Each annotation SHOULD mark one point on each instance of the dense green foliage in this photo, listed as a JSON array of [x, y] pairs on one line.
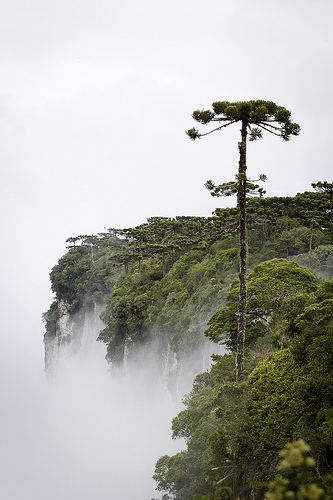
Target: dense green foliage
[[267, 286], [174, 308], [157, 251], [297, 477], [167, 278], [284, 226], [287, 396], [84, 276], [183, 266]]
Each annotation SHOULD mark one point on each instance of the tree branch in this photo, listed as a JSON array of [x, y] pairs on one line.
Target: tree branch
[[219, 128], [272, 126], [270, 131]]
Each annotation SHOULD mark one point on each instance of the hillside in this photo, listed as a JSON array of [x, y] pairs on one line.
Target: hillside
[[234, 431], [171, 284]]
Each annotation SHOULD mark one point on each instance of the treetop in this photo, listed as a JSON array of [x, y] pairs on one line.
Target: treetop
[[265, 114]]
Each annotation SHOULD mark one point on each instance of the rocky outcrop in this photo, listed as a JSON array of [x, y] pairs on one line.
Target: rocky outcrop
[[75, 334]]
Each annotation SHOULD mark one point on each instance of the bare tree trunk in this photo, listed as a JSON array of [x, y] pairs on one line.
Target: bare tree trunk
[[311, 234], [242, 253], [141, 254], [163, 265]]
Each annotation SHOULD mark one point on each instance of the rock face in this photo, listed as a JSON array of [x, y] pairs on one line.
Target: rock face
[[75, 334]]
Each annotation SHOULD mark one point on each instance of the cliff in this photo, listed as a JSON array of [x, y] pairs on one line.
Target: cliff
[[156, 286], [75, 334]]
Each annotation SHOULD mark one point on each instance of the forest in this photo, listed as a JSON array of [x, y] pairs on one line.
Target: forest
[[176, 280]]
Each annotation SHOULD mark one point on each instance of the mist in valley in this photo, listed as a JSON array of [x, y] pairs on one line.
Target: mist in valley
[[84, 434]]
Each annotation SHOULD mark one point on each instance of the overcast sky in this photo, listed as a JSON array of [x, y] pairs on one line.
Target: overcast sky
[[95, 98]]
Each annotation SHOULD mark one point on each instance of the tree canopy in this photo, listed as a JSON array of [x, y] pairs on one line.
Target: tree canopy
[[234, 431], [179, 272], [264, 115]]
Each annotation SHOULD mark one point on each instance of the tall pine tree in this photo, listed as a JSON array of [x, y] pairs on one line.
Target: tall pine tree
[[254, 117]]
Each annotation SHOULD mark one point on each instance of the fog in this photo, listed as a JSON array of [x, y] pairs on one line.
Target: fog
[[82, 433]]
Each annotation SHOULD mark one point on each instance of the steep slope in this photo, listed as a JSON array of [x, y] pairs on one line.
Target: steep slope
[[234, 431], [175, 275]]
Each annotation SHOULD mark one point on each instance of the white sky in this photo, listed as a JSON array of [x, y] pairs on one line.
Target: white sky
[[95, 98]]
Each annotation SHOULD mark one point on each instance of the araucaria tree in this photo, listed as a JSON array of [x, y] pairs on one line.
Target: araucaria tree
[[254, 117]]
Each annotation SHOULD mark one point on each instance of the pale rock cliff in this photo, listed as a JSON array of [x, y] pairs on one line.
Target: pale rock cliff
[[75, 334]]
